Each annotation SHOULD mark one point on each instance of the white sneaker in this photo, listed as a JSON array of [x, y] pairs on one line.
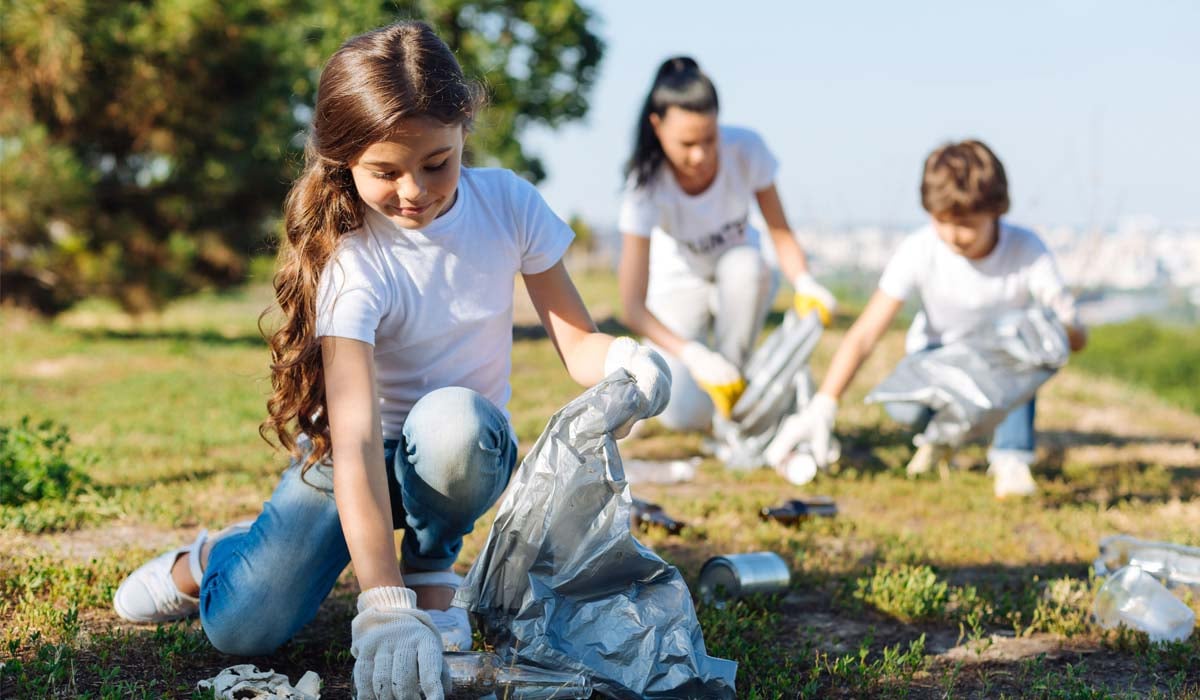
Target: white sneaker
[[926, 457], [149, 594], [1012, 478], [454, 624]]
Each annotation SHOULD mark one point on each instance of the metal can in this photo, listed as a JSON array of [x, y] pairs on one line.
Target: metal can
[[737, 575]]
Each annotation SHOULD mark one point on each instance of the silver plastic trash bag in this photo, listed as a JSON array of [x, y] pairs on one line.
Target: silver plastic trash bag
[[777, 384], [972, 384], [562, 584]]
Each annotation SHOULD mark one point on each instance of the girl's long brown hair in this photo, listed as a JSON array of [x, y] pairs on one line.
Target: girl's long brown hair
[[368, 86]]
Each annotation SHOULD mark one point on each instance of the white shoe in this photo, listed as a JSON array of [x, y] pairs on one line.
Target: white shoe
[[454, 624], [1012, 478], [926, 457], [149, 594]]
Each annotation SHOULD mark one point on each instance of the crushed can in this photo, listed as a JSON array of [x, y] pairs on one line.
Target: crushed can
[[733, 576]]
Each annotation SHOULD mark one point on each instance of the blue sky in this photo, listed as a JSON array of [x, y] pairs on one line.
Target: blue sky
[[1093, 107]]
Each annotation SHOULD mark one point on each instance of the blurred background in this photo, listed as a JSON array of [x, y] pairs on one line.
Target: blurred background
[[145, 147]]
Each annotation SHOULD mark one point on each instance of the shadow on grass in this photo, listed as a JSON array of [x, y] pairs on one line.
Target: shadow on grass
[[1061, 439], [535, 331], [207, 337]]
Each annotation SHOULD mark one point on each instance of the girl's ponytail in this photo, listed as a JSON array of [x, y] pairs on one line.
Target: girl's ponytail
[[321, 204], [679, 82]]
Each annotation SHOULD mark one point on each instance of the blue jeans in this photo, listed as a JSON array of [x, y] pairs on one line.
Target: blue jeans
[[451, 465], [1013, 437]]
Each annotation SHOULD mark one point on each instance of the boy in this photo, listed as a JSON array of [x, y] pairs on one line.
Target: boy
[[965, 267]]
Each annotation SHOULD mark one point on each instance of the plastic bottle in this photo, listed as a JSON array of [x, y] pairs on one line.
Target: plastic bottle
[[1137, 600], [645, 515], [793, 511], [1173, 564], [469, 675]]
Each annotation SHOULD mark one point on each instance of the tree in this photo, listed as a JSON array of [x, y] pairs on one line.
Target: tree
[[145, 147]]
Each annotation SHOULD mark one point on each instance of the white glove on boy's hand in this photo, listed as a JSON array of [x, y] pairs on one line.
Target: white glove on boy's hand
[[813, 425], [810, 295], [649, 371], [397, 647], [715, 375]]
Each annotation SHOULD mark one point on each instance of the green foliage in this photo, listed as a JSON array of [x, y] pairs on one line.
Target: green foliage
[[34, 464], [908, 593], [1164, 359], [145, 148]]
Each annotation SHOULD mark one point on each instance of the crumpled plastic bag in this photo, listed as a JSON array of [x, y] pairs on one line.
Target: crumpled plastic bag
[[246, 682], [562, 584], [778, 384], [972, 384]]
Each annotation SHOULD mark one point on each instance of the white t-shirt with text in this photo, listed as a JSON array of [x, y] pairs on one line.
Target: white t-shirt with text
[[957, 293], [437, 303], [688, 233]]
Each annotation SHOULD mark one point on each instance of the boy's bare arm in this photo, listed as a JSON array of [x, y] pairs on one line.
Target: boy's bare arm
[[860, 340]]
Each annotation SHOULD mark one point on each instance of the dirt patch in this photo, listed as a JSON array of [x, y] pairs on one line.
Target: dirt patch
[[55, 367]]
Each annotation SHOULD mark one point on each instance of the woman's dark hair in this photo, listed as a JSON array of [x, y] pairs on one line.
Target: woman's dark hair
[[679, 82]]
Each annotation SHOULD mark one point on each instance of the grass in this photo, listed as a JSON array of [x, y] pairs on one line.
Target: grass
[[1164, 359], [920, 589]]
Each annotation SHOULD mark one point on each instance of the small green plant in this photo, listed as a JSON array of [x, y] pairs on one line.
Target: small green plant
[[34, 464], [908, 593]]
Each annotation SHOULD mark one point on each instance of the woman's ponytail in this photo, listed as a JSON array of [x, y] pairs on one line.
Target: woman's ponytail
[[679, 82]]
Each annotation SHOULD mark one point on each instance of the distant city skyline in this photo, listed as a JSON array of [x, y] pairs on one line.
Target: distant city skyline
[[1092, 107]]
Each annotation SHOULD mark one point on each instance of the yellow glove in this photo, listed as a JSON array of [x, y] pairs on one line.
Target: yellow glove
[[715, 375], [811, 296]]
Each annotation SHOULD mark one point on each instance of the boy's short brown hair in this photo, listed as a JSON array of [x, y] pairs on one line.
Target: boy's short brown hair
[[962, 179]]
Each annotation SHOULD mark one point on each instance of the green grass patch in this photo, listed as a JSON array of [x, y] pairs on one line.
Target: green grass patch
[[1164, 359]]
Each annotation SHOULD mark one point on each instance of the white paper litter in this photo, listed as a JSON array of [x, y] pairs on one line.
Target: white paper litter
[[246, 682]]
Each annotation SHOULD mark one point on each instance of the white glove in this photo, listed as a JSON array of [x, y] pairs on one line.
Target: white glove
[[810, 295], [715, 375], [649, 371], [397, 647], [813, 425]]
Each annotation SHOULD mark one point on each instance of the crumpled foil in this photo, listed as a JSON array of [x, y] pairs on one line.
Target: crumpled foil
[[246, 682], [972, 384], [561, 583], [778, 384]]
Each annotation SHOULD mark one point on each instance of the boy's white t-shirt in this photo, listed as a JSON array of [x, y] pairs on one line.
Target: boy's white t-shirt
[[437, 303], [957, 293], [688, 233]]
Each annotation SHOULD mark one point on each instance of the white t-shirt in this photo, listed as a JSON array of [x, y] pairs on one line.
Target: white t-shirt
[[957, 293], [437, 303], [688, 233]]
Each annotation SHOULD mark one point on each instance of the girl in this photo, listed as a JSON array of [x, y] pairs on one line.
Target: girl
[[690, 264], [390, 373]]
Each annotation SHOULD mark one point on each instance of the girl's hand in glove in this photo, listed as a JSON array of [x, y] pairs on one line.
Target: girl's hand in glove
[[715, 375], [813, 425], [649, 371], [397, 648], [811, 295]]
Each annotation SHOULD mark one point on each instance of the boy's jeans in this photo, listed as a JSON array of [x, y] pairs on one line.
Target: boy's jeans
[[452, 463], [1014, 437], [733, 305]]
